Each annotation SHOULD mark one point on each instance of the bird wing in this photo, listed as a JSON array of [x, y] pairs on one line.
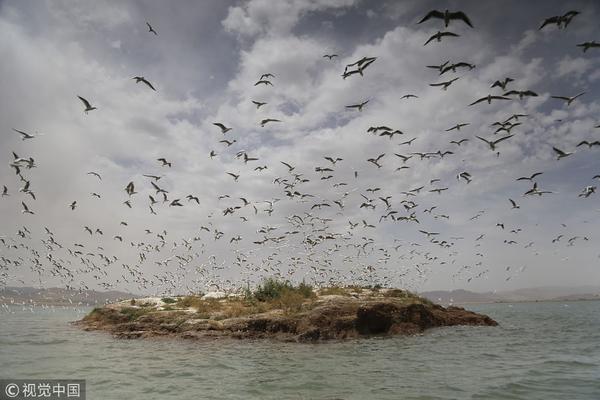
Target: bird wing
[[462, 16], [560, 97], [149, 84], [448, 34], [551, 20], [559, 151], [432, 14], [478, 101], [502, 138], [85, 102], [485, 140]]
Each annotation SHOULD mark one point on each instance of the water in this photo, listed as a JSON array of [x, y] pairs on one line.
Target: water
[[539, 351]]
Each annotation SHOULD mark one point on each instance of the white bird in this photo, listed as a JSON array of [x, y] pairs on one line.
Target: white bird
[[26, 209], [569, 100], [88, 106], [560, 153], [25, 135]]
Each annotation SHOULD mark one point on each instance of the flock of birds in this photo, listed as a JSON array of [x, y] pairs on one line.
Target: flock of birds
[[311, 243]]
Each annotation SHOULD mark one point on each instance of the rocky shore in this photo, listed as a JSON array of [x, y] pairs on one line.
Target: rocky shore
[[346, 314]]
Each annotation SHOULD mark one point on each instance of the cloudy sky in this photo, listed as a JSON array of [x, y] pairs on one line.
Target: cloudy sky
[[204, 63]]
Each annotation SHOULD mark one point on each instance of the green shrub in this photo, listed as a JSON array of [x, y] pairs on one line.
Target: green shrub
[[272, 289], [168, 300]]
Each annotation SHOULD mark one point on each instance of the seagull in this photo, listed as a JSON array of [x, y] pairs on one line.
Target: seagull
[[266, 76], [5, 191], [493, 143], [452, 67], [502, 84], [263, 82], [375, 161], [589, 144], [358, 106], [97, 175], [438, 67], [520, 93], [155, 177], [139, 79], [88, 106], [25, 135], [587, 191], [73, 205], [150, 29], [489, 99], [228, 142], [408, 96], [267, 120], [164, 162], [514, 205], [457, 127], [445, 84], [559, 20], [588, 45], [290, 168], [224, 129], [235, 177], [458, 143], [330, 56], [258, 104], [447, 16], [529, 178], [560, 153], [535, 190], [26, 209], [569, 100], [130, 189], [438, 36]]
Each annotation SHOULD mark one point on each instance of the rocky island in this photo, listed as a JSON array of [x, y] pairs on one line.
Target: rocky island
[[280, 311]]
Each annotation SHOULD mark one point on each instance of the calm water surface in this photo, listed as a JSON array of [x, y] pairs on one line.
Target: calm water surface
[[539, 351]]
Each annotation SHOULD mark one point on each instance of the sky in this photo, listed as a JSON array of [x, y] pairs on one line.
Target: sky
[[204, 62]]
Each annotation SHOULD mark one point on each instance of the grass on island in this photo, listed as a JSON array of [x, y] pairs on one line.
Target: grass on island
[[270, 295]]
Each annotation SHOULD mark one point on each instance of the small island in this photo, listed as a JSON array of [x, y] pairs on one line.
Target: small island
[[280, 311]]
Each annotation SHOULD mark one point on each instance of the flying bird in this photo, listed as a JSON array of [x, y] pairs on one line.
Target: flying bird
[[494, 143], [439, 35], [569, 100], [26, 209], [447, 16], [489, 99], [164, 162], [358, 106], [88, 106], [97, 175], [561, 21], [258, 104], [529, 178], [25, 135], [267, 120], [150, 29], [139, 79], [520, 93], [502, 84], [445, 85], [330, 56], [224, 129], [588, 45], [560, 153]]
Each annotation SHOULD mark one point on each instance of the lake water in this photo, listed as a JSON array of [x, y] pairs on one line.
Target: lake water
[[540, 351]]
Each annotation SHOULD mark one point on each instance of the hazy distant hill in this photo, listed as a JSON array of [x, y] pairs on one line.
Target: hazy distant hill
[[59, 296], [528, 294]]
